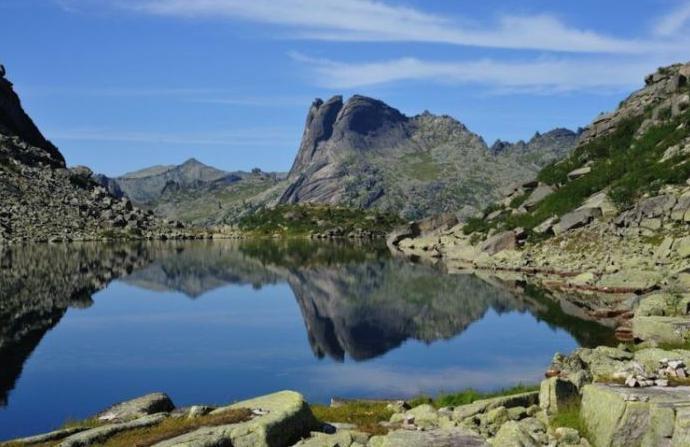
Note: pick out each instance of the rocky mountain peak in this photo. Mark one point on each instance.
(363, 115)
(15, 122)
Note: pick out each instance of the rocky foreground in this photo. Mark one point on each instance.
(627, 399)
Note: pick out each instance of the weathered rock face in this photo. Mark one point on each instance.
(622, 417)
(365, 153)
(14, 122)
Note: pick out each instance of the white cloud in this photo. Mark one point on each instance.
(369, 20)
(541, 75)
(674, 22)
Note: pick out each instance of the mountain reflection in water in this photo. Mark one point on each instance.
(355, 301)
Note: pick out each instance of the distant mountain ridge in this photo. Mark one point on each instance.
(359, 153)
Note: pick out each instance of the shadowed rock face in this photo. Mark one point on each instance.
(15, 122)
(365, 153)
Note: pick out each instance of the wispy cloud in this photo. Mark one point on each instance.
(674, 22)
(540, 75)
(369, 20)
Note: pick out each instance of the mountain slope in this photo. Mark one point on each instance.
(195, 192)
(364, 153)
(43, 200)
(613, 217)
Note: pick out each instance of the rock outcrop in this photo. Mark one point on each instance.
(42, 200)
(14, 122)
(364, 153)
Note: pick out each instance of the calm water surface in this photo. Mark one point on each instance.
(84, 326)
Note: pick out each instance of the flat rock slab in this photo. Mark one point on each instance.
(454, 437)
(284, 418)
(618, 416)
(100, 434)
(52, 436)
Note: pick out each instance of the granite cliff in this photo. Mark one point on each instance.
(364, 153)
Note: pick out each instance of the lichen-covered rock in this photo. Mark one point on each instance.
(502, 241)
(136, 408)
(454, 437)
(514, 434)
(616, 416)
(100, 434)
(556, 393)
(284, 418)
(576, 219)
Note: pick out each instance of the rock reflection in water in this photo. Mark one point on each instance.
(355, 300)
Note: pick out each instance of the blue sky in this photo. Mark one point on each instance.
(124, 84)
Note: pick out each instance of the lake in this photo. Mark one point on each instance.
(85, 325)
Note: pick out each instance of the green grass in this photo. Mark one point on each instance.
(569, 416)
(366, 416)
(626, 166)
(302, 220)
(469, 396)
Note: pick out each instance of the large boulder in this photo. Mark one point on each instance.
(452, 437)
(100, 434)
(136, 408)
(284, 418)
(499, 242)
(557, 393)
(539, 194)
(617, 416)
(576, 219)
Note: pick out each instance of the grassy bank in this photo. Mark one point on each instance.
(305, 220)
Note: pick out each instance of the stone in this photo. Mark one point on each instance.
(567, 435)
(526, 400)
(547, 225)
(682, 247)
(136, 408)
(282, 418)
(622, 417)
(556, 393)
(198, 411)
(673, 330)
(576, 219)
(539, 194)
(577, 173)
(100, 434)
(453, 437)
(339, 439)
(46, 437)
(513, 434)
(424, 416)
(502, 241)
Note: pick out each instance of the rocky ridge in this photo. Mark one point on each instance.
(364, 153)
(43, 200)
